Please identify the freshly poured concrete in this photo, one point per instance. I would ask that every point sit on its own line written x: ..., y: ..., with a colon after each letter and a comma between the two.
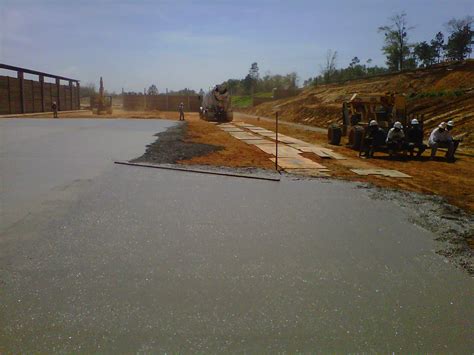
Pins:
x: 140, y: 259
x: 40, y: 158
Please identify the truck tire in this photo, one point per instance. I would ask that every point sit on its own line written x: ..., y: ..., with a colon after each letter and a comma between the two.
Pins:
x: 356, y: 135
x: 334, y: 134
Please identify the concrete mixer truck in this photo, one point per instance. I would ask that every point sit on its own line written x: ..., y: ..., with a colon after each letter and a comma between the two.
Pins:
x: 216, y: 105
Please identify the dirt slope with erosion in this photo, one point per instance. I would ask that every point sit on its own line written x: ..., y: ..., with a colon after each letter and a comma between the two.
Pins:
x: 440, y: 93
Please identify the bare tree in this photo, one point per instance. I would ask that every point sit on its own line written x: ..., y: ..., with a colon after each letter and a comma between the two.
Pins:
x: 329, y: 68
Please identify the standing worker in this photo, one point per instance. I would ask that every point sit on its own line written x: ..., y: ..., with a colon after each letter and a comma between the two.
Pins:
x: 181, y: 111
x: 54, y: 107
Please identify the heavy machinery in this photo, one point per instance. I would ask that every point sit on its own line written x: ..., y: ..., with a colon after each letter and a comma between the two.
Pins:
x: 360, y: 109
x: 216, y: 105
x: 101, y: 103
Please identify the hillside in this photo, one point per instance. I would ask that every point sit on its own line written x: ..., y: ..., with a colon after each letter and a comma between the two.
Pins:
x: 445, y: 92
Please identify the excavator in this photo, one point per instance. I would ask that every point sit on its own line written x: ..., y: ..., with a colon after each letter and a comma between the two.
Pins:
x: 360, y: 109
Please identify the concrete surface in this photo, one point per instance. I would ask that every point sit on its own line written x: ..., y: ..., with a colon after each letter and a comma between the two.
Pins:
x: 41, y: 158
x: 130, y: 259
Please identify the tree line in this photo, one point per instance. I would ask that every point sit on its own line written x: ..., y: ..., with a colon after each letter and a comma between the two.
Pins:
x: 400, y: 54
x: 254, y: 83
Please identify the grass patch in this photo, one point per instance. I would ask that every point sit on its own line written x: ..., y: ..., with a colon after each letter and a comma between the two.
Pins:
x: 243, y: 101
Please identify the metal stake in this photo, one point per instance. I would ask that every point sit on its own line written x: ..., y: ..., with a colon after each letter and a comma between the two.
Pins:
x: 276, y: 142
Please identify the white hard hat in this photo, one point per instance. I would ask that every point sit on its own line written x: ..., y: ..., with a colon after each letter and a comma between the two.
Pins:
x: 398, y: 125
x: 450, y: 123
x: 373, y: 123
x: 414, y: 121
x: 442, y: 125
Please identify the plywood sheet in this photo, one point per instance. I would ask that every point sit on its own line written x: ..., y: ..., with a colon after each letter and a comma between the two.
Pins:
x: 231, y: 129
x: 243, y: 135
x: 258, y: 129
x: 383, y: 172
x: 333, y: 154
x: 258, y: 141
x: 297, y: 163
x: 283, y: 151
x: 243, y: 124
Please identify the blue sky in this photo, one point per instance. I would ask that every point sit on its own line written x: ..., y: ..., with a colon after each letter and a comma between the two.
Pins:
x: 196, y: 44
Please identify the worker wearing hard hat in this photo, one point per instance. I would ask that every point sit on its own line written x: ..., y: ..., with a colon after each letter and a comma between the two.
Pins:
x: 181, y: 111
x: 414, y: 136
x: 374, y: 138
x: 54, y: 107
x: 396, y: 139
x: 441, y: 137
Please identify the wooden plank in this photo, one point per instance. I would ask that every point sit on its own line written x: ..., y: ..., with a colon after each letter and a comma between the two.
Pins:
x: 283, y: 151
x: 383, y: 172
x: 258, y: 141
x: 297, y: 163
x: 243, y: 135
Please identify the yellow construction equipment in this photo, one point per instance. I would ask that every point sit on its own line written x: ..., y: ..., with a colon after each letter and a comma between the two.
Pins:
x: 360, y: 109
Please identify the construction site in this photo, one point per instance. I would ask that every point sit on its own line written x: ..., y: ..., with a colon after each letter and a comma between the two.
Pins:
x: 234, y: 220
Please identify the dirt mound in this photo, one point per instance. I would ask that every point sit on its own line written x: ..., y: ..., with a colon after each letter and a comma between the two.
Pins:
x: 440, y: 93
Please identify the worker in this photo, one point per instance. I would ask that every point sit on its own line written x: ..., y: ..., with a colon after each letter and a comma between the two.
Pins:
x: 374, y: 138
x: 181, y: 111
x: 441, y: 137
x: 396, y: 139
x: 414, y: 136
x: 54, y: 108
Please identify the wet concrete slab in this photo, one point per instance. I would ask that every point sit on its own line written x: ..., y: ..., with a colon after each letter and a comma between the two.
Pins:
x: 40, y: 157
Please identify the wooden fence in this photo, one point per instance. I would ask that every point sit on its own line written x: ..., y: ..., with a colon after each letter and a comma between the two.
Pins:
x: 134, y: 102
x: 19, y: 95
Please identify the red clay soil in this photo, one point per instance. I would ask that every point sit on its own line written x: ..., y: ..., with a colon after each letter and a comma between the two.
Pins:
x: 321, y: 106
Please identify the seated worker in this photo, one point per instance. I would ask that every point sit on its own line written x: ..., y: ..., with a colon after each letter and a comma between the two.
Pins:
x: 396, y: 139
x: 441, y: 137
x: 414, y: 137
x: 374, y: 138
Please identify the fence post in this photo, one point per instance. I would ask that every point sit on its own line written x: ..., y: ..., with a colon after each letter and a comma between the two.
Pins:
x: 41, y: 80
x: 58, y: 90
x: 78, y: 93
x: 9, y: 96
x: 22, y: 91
x: 70, y: 94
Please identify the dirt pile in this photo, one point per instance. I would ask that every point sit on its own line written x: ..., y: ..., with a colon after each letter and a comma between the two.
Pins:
x: 440, y: 93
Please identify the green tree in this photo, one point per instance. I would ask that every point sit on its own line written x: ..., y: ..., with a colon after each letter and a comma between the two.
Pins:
x: 152, y: 90
x: 425, y: 53
x: 438, y: 46
x: 459, y: 44
x: 396, y: 48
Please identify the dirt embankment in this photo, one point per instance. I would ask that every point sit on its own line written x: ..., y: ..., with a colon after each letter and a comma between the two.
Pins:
x: 439, y: 93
